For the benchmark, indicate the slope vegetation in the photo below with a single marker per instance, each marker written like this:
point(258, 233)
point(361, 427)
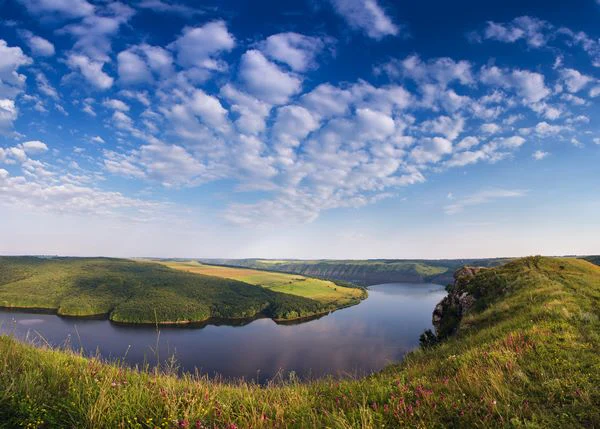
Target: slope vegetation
point(324, 291)
point(365, 272)
point(135, 292)
point(526, 354)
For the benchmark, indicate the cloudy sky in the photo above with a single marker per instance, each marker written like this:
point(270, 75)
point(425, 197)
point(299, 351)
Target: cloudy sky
point(307, 128)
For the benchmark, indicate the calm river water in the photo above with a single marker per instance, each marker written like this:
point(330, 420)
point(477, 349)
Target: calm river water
point(353, 341)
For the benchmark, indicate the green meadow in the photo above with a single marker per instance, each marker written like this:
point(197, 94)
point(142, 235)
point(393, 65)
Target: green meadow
point(323, 291)
point(526, 355)
point(141, 292)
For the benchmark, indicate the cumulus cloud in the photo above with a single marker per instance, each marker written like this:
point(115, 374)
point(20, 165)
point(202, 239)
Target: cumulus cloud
point(34, 147)
point(265, 80)
point(91, 70)
point(201, 46)
point(94, 32)
point(296, 50)
point(139, 64)
point(529, 85)
point(366, 16)
point(11, 59)
point(38, 45)
point(538, 155)
point(574, 80)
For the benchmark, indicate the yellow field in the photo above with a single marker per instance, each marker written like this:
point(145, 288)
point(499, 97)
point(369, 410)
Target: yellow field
point(320, 290)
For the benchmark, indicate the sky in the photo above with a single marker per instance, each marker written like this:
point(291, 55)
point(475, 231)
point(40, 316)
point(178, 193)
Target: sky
point(299, 129)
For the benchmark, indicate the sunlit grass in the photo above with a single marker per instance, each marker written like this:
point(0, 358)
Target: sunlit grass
point(324, 291)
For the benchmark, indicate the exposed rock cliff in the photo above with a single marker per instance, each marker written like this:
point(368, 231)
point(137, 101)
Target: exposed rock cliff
point(450, 310)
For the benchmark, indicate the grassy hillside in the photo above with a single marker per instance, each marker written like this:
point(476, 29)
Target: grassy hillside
point(136, 292)
point(366, 272)
point(526, 355)
point(324, 291)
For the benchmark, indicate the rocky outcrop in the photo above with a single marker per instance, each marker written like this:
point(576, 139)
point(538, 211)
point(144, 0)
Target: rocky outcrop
point(450, 310)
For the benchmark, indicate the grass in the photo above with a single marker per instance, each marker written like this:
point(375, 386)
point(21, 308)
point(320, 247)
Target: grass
point(371, 271)
point(323, 291)
point(527, 355)
point(139, 292)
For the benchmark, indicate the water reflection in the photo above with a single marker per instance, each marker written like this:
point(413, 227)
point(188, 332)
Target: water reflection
point(356, 340)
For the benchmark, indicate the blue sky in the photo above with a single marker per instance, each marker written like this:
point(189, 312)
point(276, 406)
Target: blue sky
point(310, 129)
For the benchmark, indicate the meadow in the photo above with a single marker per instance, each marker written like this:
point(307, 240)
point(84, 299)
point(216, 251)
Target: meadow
point(323, 291)
point(368, 271)
point(526, 355)
point(140, 292)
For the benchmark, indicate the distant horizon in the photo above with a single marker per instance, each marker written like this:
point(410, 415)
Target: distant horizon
point(292, 259)
point(344, 129)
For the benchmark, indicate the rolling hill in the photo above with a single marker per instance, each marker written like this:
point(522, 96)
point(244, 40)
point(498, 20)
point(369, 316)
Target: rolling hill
point(140, 292)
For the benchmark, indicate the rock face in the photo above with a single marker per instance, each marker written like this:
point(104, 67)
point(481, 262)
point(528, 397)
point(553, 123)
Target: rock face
point(450, 310)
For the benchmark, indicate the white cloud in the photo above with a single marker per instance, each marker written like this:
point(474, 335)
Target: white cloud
point(431, 150)
point(467, 143)
point(441, 71)
point(200, 46)
point(97, 139)
point(545, 129)
point(538, 155)
point(34, 147)
point(132, 68)
point(8, 114)
point(367, 16)
point(137, 64)
point(42, 193)
point(490, 128)
point(511, 142)
point(467, 157)
point(38, 45)
point(169, 7)
point(482, 197)
point(11, 59)
point(265, 80)
point(91, 70)
point(296, 50)
point(209, 109)
point(252, 112)
point(94, 31)
point(66, 8)
point(115, 104)
point(529, 85)
point(445, 125)
point(574, 80)
point(530, 29)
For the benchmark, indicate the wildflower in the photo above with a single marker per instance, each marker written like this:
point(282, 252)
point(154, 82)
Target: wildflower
point(184, 424)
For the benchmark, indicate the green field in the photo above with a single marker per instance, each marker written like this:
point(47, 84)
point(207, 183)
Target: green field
point(526, 355)
point(324, 291)
point(365, 272)
point(140, 292)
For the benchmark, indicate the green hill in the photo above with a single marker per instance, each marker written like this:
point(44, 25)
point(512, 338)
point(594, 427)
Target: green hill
point(365, 272)
point(526, 353)
point(139, 292)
